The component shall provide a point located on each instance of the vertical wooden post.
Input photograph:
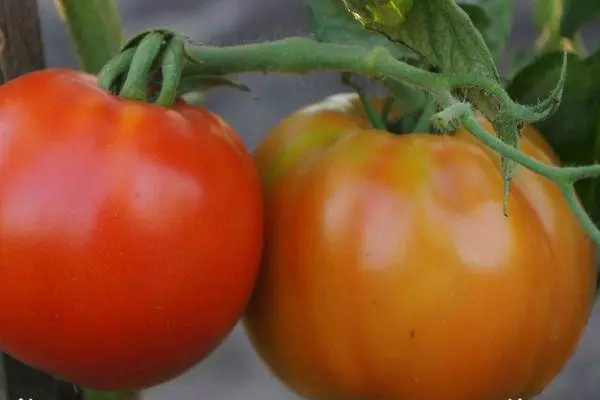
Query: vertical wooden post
(21, 48)
(21, 51)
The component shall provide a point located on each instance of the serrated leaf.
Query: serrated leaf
(577, 13)
(330, 22)
(443, 33)
(572, 129)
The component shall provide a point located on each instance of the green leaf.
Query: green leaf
(95, 29)
(444, 34)
(573, 129)
(330, 22)
(577, 13)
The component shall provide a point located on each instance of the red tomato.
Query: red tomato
(130, 234)
(391, 272)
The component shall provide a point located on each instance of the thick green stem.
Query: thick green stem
(564, 177)
(570, 195)
(372, 114)
(548, 171)
(424, 121)
(300, 55)
(386, 110)
(96, 30)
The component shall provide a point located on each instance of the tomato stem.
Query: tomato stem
(564, 177)
(95, 29)
(301, 54)
(424, 121)
(387, 109)
(372, 114)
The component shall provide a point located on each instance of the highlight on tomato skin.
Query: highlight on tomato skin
(130, 234)
(391, 272)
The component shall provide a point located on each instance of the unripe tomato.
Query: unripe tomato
(130, 234)
(390, 271)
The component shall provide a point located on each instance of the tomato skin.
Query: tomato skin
(390, 272)
(130, 235)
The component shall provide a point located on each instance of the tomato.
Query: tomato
(130, 234)
(390, 271)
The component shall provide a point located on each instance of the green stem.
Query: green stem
(570, 195)
(548, 171)
(564, 177)
(95, 29)
(372, 114)
(424, 121)
(387, 109)
(300, 55)
(577, 173)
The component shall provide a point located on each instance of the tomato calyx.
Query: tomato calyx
(152, 66)
(148, 68)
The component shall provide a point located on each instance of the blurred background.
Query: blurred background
(234, 372)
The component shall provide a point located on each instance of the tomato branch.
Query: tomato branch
(301, 55)
(563, 177)
(375, 119)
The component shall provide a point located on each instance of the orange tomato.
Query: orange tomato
(130, 234)
(390, 271)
